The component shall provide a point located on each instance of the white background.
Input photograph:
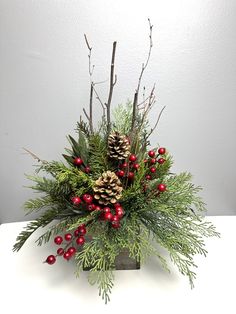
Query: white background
(44, 83)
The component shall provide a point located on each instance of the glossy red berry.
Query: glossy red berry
(115, 224)
(67, 255)
(68, 236)
(120, 173)
(71, 250)
(87, 169)
(106, 209)
(124, 165)
(76, 233)
(82, 230)
(161, 187)
(60, 251)
(91, 207)
(108, 216)
(115, 218)
(130, 175)
(78, 161)
(153, 169)
(87, 198)
(97, 207)
(80, 240)
(161, 150)
(76, 200)
(117, 205)
(132, 158)
(153, 161)
(161, 161)
(58, 240)
(51, 259)
(148, 177)
(136, 166)
(151, 153)
(145, 161)
(119, 212)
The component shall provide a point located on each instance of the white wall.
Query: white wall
(44, 83)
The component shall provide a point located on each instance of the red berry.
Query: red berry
(67, 255)
(161, 187)
(117, 205)
(68, 236)
(106, 209)
(97, 207)
(82, 231)
(71, 250)
(78, 161)
(153, 169)
(58, 240)
(132, 158)
(151, 153)
(76, 200)
(124, 165)
(87, 169)
(136, 166)
(115, 224)
(76, 233)
(145, 161)
(153, 161)
(161, 150)
(130, 175)
(60, 251)
(51, 259)
(91, 207)
(148, 177)
(115, 218)
(120, 173)
(161, 160)
(87, 198)
(108, 216)
(119, 212)
(80, 240)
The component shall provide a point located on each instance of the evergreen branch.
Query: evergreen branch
(55, 229)
(37, 204)
(42, 221)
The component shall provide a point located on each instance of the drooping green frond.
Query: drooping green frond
(37, 204)
(42, 221)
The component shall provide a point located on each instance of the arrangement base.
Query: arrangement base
(123, 262)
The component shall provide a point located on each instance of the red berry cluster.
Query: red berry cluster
(153, 159)
(113, 215)
(78, 162)
(69, 249)
(86, 202)
(127, 169)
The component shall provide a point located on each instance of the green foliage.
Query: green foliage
(42, 221)
(98, 160)
(37, 204)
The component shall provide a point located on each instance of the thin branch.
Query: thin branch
(85, 113)
(158, 119)
(34, 156)
(144, 65)
(112, 83)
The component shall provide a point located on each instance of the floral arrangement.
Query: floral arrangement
(115, 194)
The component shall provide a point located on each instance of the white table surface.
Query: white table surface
(29, 286)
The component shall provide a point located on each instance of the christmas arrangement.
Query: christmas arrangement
(115, 193)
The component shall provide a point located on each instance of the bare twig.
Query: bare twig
(34, 156)
(144, 65)
(85, 113)
(112, 83)
(158, 119)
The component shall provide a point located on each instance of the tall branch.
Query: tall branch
(113, 79)
(144, 65)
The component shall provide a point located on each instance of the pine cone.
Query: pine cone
(107, 188)
(118, 145)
